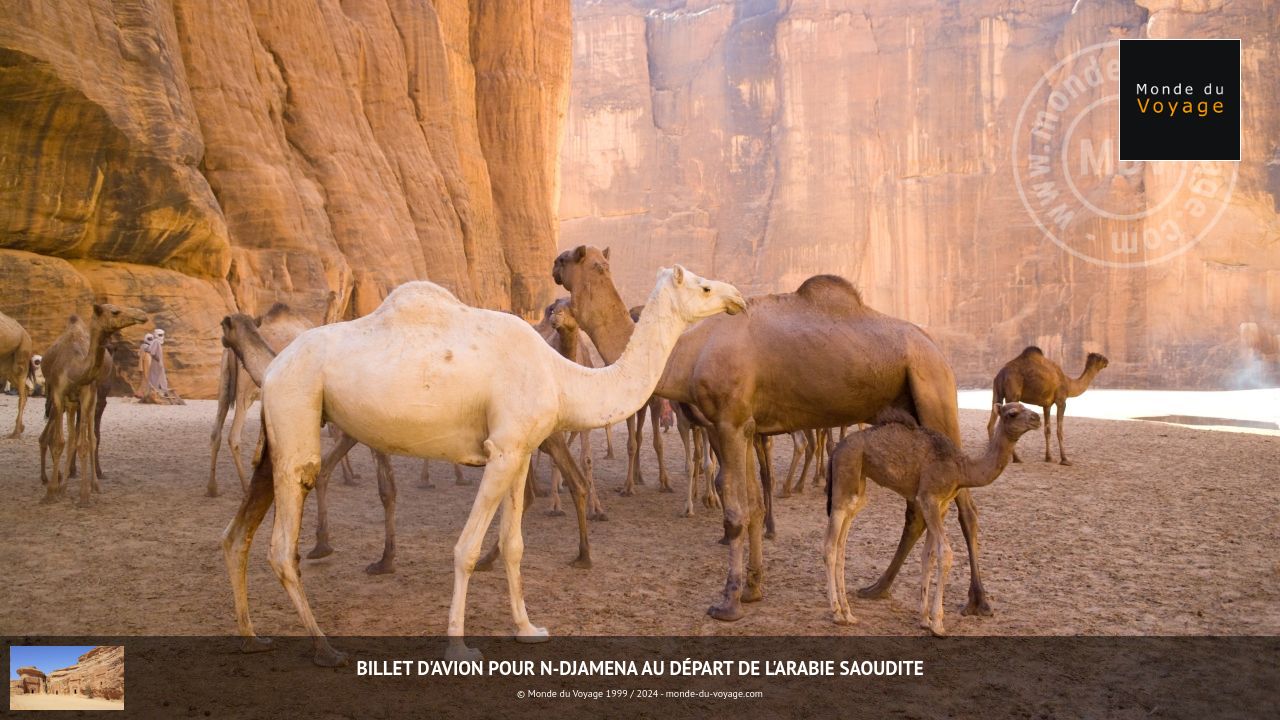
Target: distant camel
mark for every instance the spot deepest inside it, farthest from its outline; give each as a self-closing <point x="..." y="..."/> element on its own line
<point x="15" y="364"/>
<point x="1034" y="379"/>
<point x="73" y="367"/>
<point x="927" y="469"/>
<point x="468" y="385"/>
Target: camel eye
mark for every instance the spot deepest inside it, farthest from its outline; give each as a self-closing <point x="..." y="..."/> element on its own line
<point x="706" y="289"/>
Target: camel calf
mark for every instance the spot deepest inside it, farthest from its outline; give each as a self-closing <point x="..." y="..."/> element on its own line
<point x="927" y="469"/>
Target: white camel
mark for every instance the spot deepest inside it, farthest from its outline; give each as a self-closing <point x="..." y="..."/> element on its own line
<point x="471" y="386"/>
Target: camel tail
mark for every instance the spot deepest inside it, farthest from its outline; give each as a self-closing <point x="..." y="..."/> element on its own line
<point x="831" y="478"/>
<point x="226" y="389"/>
<point x="893" y="415"/>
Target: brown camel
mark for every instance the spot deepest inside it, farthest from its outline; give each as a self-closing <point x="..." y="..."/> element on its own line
<point x="241" y="336"/>
<point x="815" y="358"/>
<point x="927" y="469"/>
<point x="1034" y="379"/>
<point x="73" y="367"/>
<point x="104" y="391"/>
<point x="15" y="364"/>
<point x="278" y="327"/>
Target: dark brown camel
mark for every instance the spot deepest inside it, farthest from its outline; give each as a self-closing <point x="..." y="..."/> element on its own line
<point x="1034" y="379"/>
<point x="815" y="358"/>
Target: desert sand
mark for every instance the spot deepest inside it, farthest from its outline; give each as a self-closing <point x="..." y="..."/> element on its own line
<point x="1158" y="529"/>
<point x="62" y="702"/>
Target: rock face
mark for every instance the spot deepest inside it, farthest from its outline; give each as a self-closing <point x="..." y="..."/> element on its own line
<point x="97" y="673"/>
<point x="761" y="142"/>
<point x="30" y="681"/>
<point x="193" y="158"/>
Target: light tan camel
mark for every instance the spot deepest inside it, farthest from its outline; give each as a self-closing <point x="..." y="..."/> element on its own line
<point x="15" y="364"/>
<point x="815" y="358"/>
<point x="471" y="386"/>
<point x="105" y="383"/>
<point x="73" y="367"/>
<point x="278" y="327"/>
<point x="1034" y="379"/>
<point x="927" y="469"/>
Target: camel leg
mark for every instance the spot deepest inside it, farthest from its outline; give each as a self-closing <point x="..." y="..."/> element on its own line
<point x="733" y="445"/>
<point x="244" y="399"/>
<point x="486" y="561"/>
<point x="1048" y="444"/>
<point x="19" y="379"/>
<point x="337" y="453"/>
<point x="935" y="559"/>
<point x="655" y="419"/>
<point x="810" y="444"/>
<point x="1062" y="454"/>
<point x="228" y="377"/>
<point x="759" y="527"/>
<point x="558" y="449"/>
<point x="424" y="478"/>
<point x="512" y="552"/>
<point x="926" y="578"/>
<point x="101" y="407"/>
<point x="967" y="510"/>
<point x="54" y="427"/>
<point x="608" y="442"/>
<point x="764" y="453"/>
<point x="848" y="495"/>
<point x="822" y="439"/>
<point x="45" y="435"/>
<point x="501" y="477"/>
<point x="348" y="473"/>
<point x="386" y="493"/>
<point x="785" y="490"/>
<point x="236" y="540"/>
<point x="710" y="469"/>
<point x="73" y="440"/>
<point x="912" y="526"/>
<point x="458" y="477"/>
<point x="84" y="442"/>
<point x="686" y="441"/>
<point x="555" y="510"/>
<point x="588" y="467"/>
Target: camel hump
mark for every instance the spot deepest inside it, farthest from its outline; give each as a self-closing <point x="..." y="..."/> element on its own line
<point x="420" y="298"/>
<point x="1031" y="350"/>
<point x="276" y="309"/>
<point x="895" y="416"/>
<point x="831" y="291"/>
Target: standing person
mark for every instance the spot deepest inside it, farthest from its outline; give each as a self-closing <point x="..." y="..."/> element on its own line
<point x="144" y="362"/>
<point x="156" y="377"/>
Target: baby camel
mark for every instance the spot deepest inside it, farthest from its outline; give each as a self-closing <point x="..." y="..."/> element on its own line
<point x="927" y="469"/>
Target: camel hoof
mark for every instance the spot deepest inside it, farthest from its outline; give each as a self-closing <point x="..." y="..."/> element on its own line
<point x="13" y="435"/>
<point x="83" y="503"/>
<point x="256" y="644"/>
<point x="688" y="513"/>
<point x="726" y="612"/>
<point x="580" y="563"/>
<point x="211" y="493"/>
<point x="464" y="482"/>
<point x="626" y="492"/>
<point x="321" y="550"/>
<point x="1017" y="459"/>
<point x="1065" y="462"/>
<point x="873" y="592"/>
<point x="783" y="494"/>
<point x="724" y="540"/>
<point x="752" y="594"/>
<point x="555" y="513"/>
<point x="328" y="657"/>
<point x="980" y="608"/>
<point x="598" y="517"/>
<point x="427" y="485"/>
<point x="382" y="567"/>
<point x="842" y="617"/>
<point x="49" y="499"/>
<point x="532" y="635"/>
<point x="937" y="629"/>
<point x="770" y="534"/>
<point x="460" y="652"/>
<point x="666" y="489"/>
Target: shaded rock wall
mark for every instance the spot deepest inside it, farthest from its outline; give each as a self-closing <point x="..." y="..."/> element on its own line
<point x="97" y="673"/>
<point x="194" y="157"/>
<point x="761" y="142"/>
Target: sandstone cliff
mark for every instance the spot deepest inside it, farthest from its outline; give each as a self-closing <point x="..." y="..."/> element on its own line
<point x="763" y="141"/>
<point x="97" y="673"/>
<point x="194" y="157"/>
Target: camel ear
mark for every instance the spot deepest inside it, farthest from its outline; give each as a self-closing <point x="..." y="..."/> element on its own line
<point x="606" y="253"/>
<point x="677" y="274"/>
<point x="98" y="309"/>
<point x="996" y="407"/>
<point x="579" y="253"/>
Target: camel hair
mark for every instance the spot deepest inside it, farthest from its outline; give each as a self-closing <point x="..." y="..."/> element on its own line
<point x="1034" y="379"/>
<point x="927" y="469"/>
<point x="468" y="385"/>
<point x="241" y="335"/>
<point x="815" y="358"/>
<point x="15" y="364"/>
<point x="73" y="367"/>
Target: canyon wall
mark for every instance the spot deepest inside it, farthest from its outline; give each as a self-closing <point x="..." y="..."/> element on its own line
<point x="97" y="673"/>
<point x="763" y="141"/>
<point x="197" y="157"/>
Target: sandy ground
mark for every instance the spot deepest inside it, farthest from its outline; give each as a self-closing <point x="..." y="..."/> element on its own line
<point x="62" y="702"/>
<point x="1156" y="530"/>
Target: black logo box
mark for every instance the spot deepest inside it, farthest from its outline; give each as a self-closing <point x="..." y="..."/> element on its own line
<point x="1181" y="65"/>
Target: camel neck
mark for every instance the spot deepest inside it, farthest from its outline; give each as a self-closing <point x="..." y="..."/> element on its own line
<point x="592" y="398"/>
<point x="984" y="469"/>
<point x="568" y="343"/>
<point x="254" y="354"/>
<point x="603" y="316"/>
<point x="1077" y="386"/>
<point x="97" y="354"/>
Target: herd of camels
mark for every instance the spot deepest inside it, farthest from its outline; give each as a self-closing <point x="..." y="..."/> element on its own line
<point x="485" y="388"/>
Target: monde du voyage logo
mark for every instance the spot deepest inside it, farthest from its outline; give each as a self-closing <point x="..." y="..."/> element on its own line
<point x="1125" y="153"/>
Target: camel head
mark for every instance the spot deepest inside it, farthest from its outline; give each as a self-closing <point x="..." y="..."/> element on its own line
<point x="1097" y="360"/>
<point x="112" y="317"/>
<point x="574" y="268"/>
<point x="235" y="328"/>
<point x="697" y="297"/>
<point x="560" y="316"/>
<point x="1016" y="419"/>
